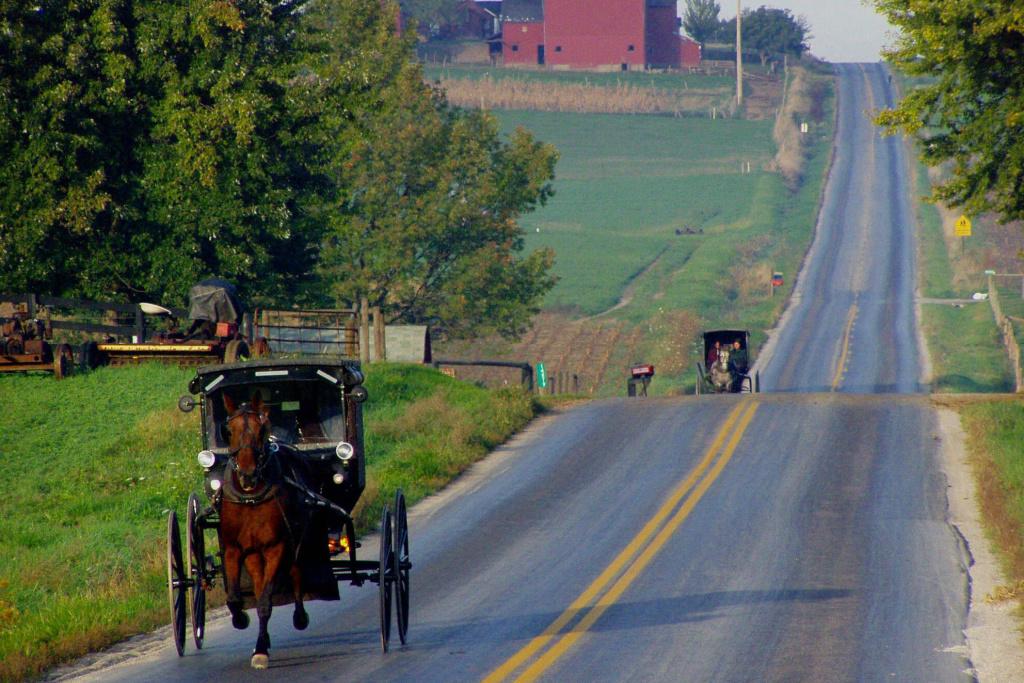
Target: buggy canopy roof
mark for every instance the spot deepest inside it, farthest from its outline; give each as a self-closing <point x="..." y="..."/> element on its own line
<point x="210" y="378"/>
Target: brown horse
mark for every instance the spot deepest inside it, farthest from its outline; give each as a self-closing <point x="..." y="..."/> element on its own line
<point x="254" y="523"/>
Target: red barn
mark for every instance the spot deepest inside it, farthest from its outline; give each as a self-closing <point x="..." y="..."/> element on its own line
<point x="593" y="34"/>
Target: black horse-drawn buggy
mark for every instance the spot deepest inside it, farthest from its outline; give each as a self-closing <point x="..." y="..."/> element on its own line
<point x="725" y="366"/>
<point x="284" y="466"/>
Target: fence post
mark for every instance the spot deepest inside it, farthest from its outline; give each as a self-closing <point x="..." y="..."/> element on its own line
<point x="364" y="331"/>
<point x="380" y="352"/>
<point x="140" y="324"/>
<point x="30" y="301"/>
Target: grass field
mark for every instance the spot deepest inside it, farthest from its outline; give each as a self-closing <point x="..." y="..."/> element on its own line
<point x="91" y="466"/>
<point x="626" y="183"/>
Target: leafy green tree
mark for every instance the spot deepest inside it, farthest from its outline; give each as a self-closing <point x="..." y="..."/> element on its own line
<point x="69" y="113"/>
<point x="700" y="19"/>
<point x="769" y="31"/>
<point x="969" y="107"/>
<point x="290" y="147"/>
<point x="425" y="224"/>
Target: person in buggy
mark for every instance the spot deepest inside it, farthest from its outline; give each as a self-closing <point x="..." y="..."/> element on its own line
<point x="738" y="364"/>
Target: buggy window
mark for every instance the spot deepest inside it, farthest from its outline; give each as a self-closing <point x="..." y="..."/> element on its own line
<point x="307" y="414"/>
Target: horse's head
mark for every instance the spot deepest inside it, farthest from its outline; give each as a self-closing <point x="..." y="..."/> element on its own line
<point x="248" y="428"/>
<point x="723" y="359"/>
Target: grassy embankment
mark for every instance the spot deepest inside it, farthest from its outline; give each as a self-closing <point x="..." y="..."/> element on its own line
<point x="91" y="465"/>
<point x="968" y="356"/>
<point x="627" y="183"/>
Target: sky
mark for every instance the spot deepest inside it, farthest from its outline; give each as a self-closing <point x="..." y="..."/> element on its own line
<point x="842" y="30"/>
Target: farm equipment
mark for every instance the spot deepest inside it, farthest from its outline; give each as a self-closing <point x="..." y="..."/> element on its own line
<point x="214" y="336"/>
<point x="25" y="346"/>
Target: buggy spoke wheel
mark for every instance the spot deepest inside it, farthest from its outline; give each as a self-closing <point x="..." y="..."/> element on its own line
<point x="177" y="585"/>
<point x="402" y="565"/>
<point x="196" y="556"/>
<point x="385" y="578"/>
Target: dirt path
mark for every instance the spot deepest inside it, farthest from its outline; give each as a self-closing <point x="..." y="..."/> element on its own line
<point x="630" y="291"/>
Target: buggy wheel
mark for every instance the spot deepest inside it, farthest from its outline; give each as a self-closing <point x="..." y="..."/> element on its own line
<point x="177" y="584"/>
<point x="386" y="579"/>
<point x="63" y="361"/>
<point x="235" y="351"/>
<point x="402" y="565"/>
<point x="196" y="570"/>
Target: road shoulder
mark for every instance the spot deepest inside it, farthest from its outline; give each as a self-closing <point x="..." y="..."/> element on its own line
<point x="993" y="633"/>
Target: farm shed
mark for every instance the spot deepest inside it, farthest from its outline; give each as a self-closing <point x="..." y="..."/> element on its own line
<point x="522" y="31"/>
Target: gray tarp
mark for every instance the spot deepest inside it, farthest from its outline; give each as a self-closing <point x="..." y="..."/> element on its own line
<point x="215" y="300"/>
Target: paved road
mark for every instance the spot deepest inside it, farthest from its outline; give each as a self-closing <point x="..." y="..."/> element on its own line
<point x="796" y="535"/>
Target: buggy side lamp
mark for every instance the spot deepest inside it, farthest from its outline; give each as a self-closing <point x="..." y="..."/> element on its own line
<point x="206" y="459"/>
<point x="344" y="450"/>
<point x="358" y="393"/>
<point x="186" y="404"/>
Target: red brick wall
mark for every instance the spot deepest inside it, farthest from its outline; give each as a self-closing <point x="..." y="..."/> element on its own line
<point x="520" y="41"/>
<point x="662" y="37"/>
<point x="594" y="33"/>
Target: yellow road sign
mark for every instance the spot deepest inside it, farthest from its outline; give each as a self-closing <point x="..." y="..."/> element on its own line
<point x="963" y="227"/>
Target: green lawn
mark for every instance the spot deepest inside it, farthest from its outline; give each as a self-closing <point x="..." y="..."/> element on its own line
<point x="91" y="465"/>
<point x="626" y="183"/>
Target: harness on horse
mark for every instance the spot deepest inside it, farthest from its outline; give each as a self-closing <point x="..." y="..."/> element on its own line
<point x="267" y="475"/>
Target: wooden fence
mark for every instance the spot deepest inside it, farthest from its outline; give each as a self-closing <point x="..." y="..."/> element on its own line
<point x="59" y="314"/>
<point x="1009" y="337"/>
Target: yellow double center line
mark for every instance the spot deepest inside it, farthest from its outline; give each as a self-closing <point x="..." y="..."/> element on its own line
<point x="845" y="350"/>
<point x="637" y="555"/>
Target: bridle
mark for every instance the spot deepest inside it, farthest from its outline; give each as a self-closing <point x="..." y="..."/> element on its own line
<point x="258" y="448"/>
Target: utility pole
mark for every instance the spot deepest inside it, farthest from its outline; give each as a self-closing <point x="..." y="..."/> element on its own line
<point x="739" y="56"/>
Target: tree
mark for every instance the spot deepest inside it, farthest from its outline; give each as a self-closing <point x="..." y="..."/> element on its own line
<point x="68" y="119"/>
<point x="436" y="18"/>
<point x="425" y="223"/>
<point x="769" y="31"/>
<point x="149" y="146"/>
<point x="290" y="146"/>
<point x="700" y="19"/>
<point x="969" y="108"/>
<point x="775" y="32"/>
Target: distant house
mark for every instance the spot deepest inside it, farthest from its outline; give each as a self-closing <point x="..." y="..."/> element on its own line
<point x="595" y="34"/>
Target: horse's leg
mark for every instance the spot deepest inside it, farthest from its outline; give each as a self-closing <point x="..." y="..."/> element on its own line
<point x="300" y="620"/>
<point x="233" y="579"/>
<point x="259" y="570"/>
